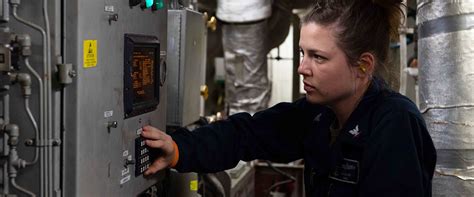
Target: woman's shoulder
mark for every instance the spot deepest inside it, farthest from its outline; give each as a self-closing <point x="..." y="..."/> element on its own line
<point x="393" y="103"/>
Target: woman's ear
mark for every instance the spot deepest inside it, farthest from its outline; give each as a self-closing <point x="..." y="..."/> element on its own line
<point x="366" y="65"/>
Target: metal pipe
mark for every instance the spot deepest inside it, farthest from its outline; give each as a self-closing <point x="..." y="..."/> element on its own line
<point x="41" y="92"/>
<point x="6" y="120"/>
<point x="49" y="107"/>
<point x="19" y="188"/>
<point x="45" y="69"/>
<point x="6" y="105"/>
<point x="41" y="101"/>
<point x="35" y="126"/>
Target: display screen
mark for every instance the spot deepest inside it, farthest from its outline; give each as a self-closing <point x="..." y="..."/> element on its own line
<point x="141" y="74"/>
<point x="143" y="71"/>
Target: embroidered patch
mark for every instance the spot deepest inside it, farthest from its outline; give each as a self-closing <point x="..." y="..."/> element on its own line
<point x="346" y="171"/>
<point x="317" y="118"/>
<point x="355" y="132"/>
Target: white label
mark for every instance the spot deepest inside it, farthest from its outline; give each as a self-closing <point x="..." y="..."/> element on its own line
<point x="130" y="158"/>
<point x="124" y="179"/>
<point x="139" y="131"/>
<point x="109" y="8"/>
<point x="108" y="114"/>
<point x="125" y="153"/>
<point x="125" y="171"/>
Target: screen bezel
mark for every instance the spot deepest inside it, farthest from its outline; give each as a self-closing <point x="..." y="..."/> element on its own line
<point x="133" y="41"/>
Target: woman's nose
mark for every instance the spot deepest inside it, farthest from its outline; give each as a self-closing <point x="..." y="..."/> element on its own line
<point x="302" y="68"/>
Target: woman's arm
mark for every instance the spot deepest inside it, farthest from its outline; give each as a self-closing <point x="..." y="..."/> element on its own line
<point x="274" y="134"/>
<point x="400" y="157"/>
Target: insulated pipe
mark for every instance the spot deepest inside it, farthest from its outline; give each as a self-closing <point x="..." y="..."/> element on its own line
<point x="43" y="166"/>
<point x="446" y="59"/>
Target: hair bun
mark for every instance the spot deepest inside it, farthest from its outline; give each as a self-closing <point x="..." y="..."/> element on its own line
<point x="394" y="14"/>
<point x="387" y="3"/>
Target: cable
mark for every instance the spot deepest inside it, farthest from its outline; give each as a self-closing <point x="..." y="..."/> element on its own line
<point x="279" y="171"/>
<point x="290" y="179"/>
<point x="278" y="184"/>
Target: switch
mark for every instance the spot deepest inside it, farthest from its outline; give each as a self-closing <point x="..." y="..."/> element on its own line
<point x="158" y="4"/>
<point x="146" y="4"/>
<point x="129" y="161"/>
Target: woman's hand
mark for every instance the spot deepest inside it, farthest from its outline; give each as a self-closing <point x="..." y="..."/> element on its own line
<point x="156" y="138"/>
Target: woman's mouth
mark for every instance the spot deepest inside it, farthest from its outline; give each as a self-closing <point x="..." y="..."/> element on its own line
<point x="308" y="88"/>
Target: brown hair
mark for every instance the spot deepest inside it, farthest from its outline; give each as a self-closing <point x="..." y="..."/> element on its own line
<point x="361" y="25"/>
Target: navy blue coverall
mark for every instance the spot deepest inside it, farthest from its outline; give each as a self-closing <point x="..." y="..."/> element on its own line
<point x="384" y="149"/>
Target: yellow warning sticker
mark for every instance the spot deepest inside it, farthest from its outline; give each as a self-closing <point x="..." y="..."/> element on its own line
<point x="90" y="53"/>
<point x="193" y="185"/>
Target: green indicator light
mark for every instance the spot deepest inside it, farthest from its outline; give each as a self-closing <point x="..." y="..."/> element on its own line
<point x="159" y="4"/>
<point x="148" y="3"/>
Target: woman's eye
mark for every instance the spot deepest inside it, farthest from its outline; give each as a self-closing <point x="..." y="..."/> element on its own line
<point x="319" y="58"/>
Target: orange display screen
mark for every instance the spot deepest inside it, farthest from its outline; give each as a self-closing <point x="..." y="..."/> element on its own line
<point x="142" y="74"/>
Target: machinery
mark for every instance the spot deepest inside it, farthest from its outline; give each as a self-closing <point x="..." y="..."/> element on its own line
<point x="79" y="79"/>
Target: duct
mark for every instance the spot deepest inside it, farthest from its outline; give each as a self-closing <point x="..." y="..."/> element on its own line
<point x="447" y="104"/>
<point x="247" y="84"/>
<point x="243" y="11"/>
<point x="454" y="173"/>
<point x="446" y="56"/>
<point x="433" y="9"/>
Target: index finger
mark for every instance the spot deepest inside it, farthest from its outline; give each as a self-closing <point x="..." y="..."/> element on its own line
<point x="152" y="133"/>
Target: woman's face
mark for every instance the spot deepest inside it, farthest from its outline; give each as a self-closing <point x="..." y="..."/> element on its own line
<point x="327" y="75"/>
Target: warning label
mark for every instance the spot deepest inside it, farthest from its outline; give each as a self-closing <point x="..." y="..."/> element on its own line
<point x="90" y="53"/>
<point x="193" y="185"/>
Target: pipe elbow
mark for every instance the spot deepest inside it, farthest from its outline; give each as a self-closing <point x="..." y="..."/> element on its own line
<point x="24" y="79"/>
<point x="12" y="130"/>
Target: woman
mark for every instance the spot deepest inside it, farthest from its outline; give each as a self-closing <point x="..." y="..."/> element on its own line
<point x="357" y="137"/>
